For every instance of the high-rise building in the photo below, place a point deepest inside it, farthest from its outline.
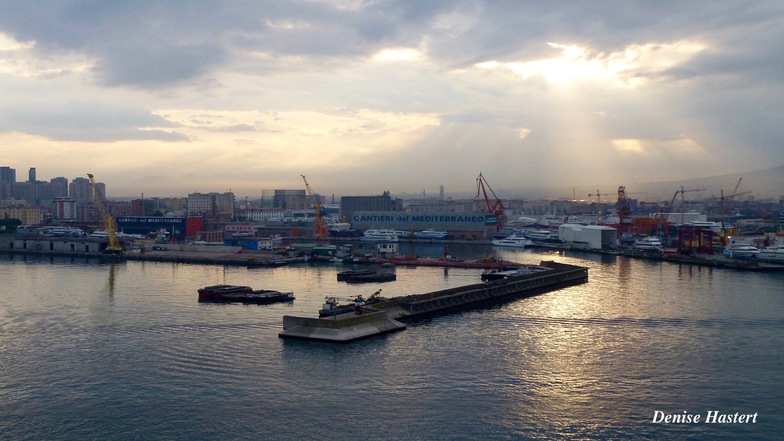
(7, 175)
(31, 176)
(7, 180)
(80, 190)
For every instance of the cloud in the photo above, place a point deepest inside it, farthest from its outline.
(394, 95)
(88, 121)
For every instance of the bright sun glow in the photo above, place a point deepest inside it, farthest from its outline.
(631, 67)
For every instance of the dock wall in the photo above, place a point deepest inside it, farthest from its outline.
(514, 287)
(340, 329)
(386, 316)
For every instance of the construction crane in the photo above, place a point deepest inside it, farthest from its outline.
(108, 222)
(496, 207)
(725, 204)
(598, 195)
(683, 191)
(319, 229)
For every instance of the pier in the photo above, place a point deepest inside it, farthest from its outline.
(389, 315)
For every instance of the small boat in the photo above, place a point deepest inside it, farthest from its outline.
(430, 233)
(772, 254)
(243, 294)
(513, 242)
(649, 244)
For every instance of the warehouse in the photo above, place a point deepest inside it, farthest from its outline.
(594, 237)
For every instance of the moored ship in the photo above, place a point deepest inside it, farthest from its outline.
(513, 242)
(243, 294)
(430, 233)
(648, 244)
(772, 254)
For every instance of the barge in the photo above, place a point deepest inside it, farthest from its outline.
(365, 276)
(243, 294)
(388, 315)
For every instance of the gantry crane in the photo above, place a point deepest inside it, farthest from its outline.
(108, 221)
(319, 229)
(496, 207)
(624, 209)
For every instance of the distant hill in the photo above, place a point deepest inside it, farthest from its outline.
(762, 184)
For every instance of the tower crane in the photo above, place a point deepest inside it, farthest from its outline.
(725, 203)
(598, 195)
(682, 191)
(496, 207)
(108, 221)
(319, 229)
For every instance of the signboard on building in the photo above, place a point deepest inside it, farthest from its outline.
(468, 222)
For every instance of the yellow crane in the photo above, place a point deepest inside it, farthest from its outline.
(319, 229)
(108, 221)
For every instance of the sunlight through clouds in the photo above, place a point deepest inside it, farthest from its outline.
(401, 54)
(628, 68)
(678, 147)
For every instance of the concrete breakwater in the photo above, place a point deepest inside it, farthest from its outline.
(388, 315)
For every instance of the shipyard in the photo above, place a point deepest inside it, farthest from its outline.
(727, 231)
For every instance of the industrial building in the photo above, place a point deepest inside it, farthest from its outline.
(177, 227)
(38, 243)
(593, 237)
(475, 225)
(352, 204)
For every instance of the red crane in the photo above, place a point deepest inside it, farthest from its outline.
(496, 207)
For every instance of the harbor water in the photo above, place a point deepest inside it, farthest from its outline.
(92, 350)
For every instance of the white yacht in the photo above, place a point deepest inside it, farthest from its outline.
(648, 243)
(379, 236)
(772, 254)
(513, 242)
(740, 251)
(430, 233)
(543, 235)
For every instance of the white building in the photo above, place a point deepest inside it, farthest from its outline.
(64, 210)
(264, 214)
(594, 237)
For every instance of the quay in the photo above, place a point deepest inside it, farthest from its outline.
(389, 315)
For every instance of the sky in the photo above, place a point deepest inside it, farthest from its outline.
(168, 98)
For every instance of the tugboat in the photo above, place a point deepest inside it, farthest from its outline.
(244, 294)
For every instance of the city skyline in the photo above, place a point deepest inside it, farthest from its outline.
(364, 97)
(762, 184)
